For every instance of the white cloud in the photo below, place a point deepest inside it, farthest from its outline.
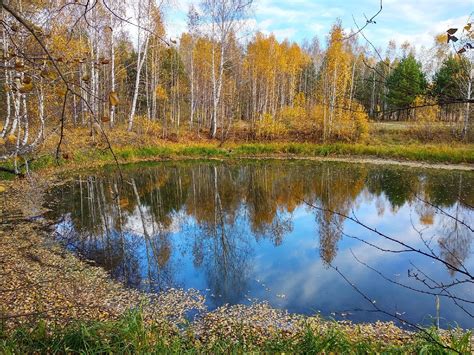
(416, 21)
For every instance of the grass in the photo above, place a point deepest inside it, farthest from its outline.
(131, 334)
(425, 153)
(88, 157)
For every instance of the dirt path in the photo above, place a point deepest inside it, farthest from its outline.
(376, 161)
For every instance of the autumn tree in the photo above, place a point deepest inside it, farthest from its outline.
(223, 19)
(338, 114)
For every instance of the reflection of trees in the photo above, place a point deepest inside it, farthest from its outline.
(456, 240)
(398, 185)
(220, 234)
(335, 189)
(128, 227)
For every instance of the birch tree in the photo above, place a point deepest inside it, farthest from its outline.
(224, 17)
(142, 13)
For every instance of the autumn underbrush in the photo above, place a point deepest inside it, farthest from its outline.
(79, 148)
(131, 333)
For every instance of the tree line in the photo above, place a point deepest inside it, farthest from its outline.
(107, 64)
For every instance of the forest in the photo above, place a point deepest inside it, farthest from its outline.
(112, 66)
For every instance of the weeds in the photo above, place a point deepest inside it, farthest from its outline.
(131, 334)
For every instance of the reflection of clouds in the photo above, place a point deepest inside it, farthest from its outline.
(133, 222)
(310, 282)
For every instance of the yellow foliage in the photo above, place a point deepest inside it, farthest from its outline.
(338, 116)
(427, 219)
(361, 123)
(124, 202)
(425, 117)
(161, 93)
(26, 88)
(268, 127)
(61, 90)
(147, 127)
(11, 139)
(293, 117)
(47, 74)
(113, 99)
(349, 125)
(428, 113)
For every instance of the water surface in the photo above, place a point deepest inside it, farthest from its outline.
(244, 231)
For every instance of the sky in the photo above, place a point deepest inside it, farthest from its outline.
(417, 21)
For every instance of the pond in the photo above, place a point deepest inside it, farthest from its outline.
(275, 231)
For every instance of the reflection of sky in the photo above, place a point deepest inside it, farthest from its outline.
(293, 276)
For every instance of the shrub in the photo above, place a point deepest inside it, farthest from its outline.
(144, 126)
(268, 127)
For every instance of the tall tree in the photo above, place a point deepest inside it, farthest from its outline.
(224, 17)
(405, 83)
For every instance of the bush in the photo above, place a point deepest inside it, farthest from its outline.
(346, 125)
(268, 127)
(144, 126)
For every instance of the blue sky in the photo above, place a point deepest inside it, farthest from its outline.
(414, 20)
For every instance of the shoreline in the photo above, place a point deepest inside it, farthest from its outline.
(51, 169)
(343, 159)
(76, 155)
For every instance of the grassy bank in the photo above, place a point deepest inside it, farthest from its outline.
(426, 153)
(80, 157)
(434, 154)
(79, 149)
(131, 334)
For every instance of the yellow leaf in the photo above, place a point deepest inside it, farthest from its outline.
(123, 202)
(11, 139)
(113, 99)
(160, 93)
(2, 188)
(61, 91)
(19, 65)
(26, 88)
(47, 74)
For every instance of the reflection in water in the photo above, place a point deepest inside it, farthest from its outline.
(239, 231)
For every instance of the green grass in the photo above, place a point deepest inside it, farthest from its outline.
(426, 153)
(434, 153)
(131, 334)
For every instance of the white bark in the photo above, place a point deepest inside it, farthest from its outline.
(142, 49)
(40, 135)
(467, 112)
(140, 62)
(112, 71)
